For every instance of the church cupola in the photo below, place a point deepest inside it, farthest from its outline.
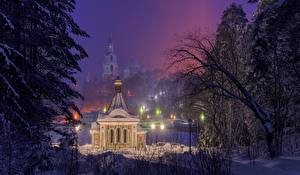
(118, 85)
(118, 101)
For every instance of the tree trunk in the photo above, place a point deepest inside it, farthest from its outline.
(266, 122)
(270, 139)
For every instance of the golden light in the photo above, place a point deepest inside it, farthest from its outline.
(90, 107)
(162, 126)
(173, 117)
(76, 116)
(142, 110)
(118, 82)
(104, 110)
(152, 126)
(202, 116)
(158, 111)
(77, 128)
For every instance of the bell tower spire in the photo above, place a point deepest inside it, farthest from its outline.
(109, 45)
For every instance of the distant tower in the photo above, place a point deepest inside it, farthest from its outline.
(110, 66)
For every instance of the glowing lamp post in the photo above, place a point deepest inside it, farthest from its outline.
(202, 117)
(162, 126)
(76, 116)
(158, 112)
(190, 130)
(152, 126)
(142, 109)
(173, 117)
(104, 110)
(152, 130)
(77, 128)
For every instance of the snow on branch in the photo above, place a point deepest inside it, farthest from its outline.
(3, 48)
(43, 9)
(9, 85)
(203, 53)
(7, 21)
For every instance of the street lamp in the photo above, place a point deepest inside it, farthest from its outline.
(77, 128)
(202, 116)
(142, 110)
(190, 130)
(104, 110)
(152, 126)
(162, 126)
(158, 111)
(76, 116)
(152, 129)
(173, 117)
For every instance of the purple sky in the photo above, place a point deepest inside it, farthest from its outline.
(143, 29)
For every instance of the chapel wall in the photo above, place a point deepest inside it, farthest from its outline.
(124, 140)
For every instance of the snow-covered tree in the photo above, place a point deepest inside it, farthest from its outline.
(262, 4)
(218, 66)
(274, 56)
(38, 59)
(227, 116)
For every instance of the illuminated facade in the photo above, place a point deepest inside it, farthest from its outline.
(118, 129)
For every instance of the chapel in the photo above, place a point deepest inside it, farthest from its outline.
(117, 128)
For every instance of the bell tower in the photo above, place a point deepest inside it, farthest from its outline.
(110, 65)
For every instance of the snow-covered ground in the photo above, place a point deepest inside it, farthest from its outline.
(154, 150)
(161, 143)
(279, 166)
(240, 166)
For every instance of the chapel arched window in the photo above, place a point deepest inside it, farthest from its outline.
(125, 135)
(111, 136)
(118, 135)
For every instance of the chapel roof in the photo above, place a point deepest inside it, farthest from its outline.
(118, 115)
(118, 100)
(118, 110)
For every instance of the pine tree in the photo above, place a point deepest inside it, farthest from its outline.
(38, 59)
(273, 56)
(262, 4)
(229, 44)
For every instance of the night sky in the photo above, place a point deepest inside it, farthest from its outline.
(143, 29)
